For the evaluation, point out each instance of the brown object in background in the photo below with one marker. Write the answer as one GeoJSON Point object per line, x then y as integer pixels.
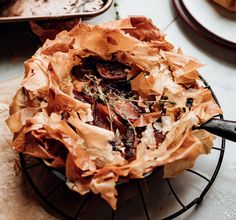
{"type": "Point", "coordinates": [28, 10]}
{"type": "Point", "coordinates": [51, 7]}
{"type": "Point", "coordinates": [49, 29]}
{"type": "Point", "coordinates": [228, 4]}
{"type": "Point", "coordinates": [4, 4]}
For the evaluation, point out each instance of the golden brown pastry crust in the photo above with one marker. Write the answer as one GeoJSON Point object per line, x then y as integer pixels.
{"type": "Point", "coordinates": [54, 125]}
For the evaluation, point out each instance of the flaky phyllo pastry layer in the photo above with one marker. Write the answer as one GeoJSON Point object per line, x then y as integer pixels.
{"type": "Point", "coordinates": [113, 101]}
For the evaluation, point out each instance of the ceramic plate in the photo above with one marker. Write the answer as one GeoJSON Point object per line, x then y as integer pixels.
{"type": "Point", "coordinates": [199, 28]}
{"type": "Point", "coordinates": [214, 18]}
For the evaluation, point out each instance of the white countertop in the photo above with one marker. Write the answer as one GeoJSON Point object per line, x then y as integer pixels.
{"type": "Point", "coordinates": [220, 72]}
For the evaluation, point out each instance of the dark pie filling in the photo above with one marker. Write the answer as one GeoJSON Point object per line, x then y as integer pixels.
{"type": "Point", "coordinates": [114, 104]}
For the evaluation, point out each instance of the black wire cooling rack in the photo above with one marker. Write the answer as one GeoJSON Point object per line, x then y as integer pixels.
{"type": "Point", "coordinates": [133, 197]}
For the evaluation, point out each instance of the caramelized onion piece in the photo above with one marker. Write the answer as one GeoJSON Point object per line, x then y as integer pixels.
{"type": "Point", "coordinates": [159, 137]}
{"type": "Point", "coordinates": [112, 70]}
{"type": "Point", "coordinates": [127, 109]}
{"type": "Point", "coordinates": [101, 119]}
{"type": "Point", "coordinates": [80, 72]}
{"type": "Point", "coordinates": [130, 144]}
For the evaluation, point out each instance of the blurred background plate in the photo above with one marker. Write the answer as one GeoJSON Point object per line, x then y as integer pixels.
{"type": "Point", "coordinates": [209, 20]}
{"type": "Point", "coordinates": [214, 18]}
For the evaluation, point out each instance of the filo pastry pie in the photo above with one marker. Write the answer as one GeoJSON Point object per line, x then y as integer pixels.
{"type": "Point", "coordinates": [111, 102]}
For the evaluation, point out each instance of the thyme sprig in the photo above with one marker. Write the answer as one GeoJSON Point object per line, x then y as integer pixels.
{"type": "Point", "coordinates": [111, 116]}
{"type": "Point", "coordinates": [116, 5]}
{"type": "Point", "coordinates": [98, 93]}
{"type": "Point", "coordinates": [125, 118]}
{"type": "Point", "coordinates": [103, 96]}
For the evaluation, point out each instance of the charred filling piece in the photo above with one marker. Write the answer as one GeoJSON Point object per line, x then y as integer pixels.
{"type": "Point", "coordinates": [114, 104]}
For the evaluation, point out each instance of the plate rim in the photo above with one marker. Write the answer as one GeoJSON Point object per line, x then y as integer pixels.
{"type": "Point", "coordinates": [183, 13]}
{"type": "Point", "coordinates": [205, 28]}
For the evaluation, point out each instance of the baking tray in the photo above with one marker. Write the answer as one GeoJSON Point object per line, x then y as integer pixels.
{"type": "Point", "coordinates": [28, 10]}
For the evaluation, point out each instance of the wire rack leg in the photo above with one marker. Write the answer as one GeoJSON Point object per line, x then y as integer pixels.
{"type": "Point", "coordinates": [143, 202]}
{"type": "Point", "coordinates": [174, 193]}
{"type": "Point", "coordinates": [86, 199]}
{"type": "Point", "coordinates": [113, 214]}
